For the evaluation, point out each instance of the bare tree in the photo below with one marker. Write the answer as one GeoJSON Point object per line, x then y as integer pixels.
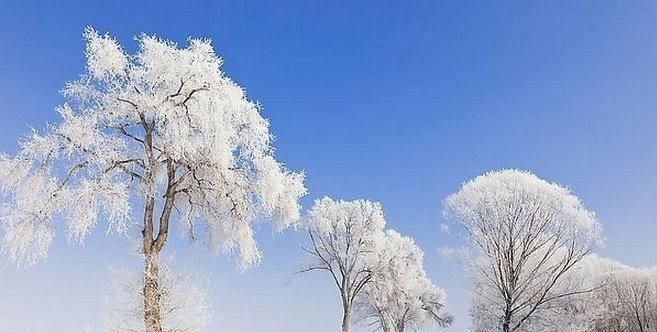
{"type": "Point", "coordinates": [344, 241]}
{"type": "Point", "coordinates": [163, 129]}
{"type": "Point", "coordinates": [524, 235]}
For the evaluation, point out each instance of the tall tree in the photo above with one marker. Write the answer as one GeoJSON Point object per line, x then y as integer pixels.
{"type": "Point", "coordinates": [345, 237]}
{"type": "Point", "coordinates": [163, 129]}
{"type": "Point", "coordinates": [401, 295]}
{"type": "Point", "coordinates": [524, 235]}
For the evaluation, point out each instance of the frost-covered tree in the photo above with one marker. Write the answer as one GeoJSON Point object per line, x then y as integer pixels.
{"type": "Point", "coordinates": [626, 303]}
{"type": "Point", "coordinates": [400, 295]}
{"type": "Point", "coordinates": [345, 237]}
{"type": "Point", "coordinates": [633, 293]}
{"type": "Point", "coordinates": [524, 236]}
{"type": "Point", "coordinates": [163, 132]}
{"type": "Point", "coordinates": [184, 304]}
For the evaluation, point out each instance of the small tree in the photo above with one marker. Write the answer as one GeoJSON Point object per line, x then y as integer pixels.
{"type": "Point", "coordinates": [634, 291]}
{"type": "Point", "coordinates": [524, 235]}
{"type": "Point", "coordinates": [163, 129]}
{"type": "Point", "coordinates": [184, 304]}
{"type": "Point", "coordinates": [400, 294]}
{"type": "Point", "coordinates": [345, 238]}
{"type": "Point", "coordinates": [627, 302]}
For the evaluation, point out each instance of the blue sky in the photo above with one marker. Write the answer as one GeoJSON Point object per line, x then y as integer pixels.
{"type": "Point", "coordinates": [395, 102]}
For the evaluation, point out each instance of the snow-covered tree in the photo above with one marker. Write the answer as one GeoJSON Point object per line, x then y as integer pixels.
{"type": "Point", "coordinates": [627, 302]}
{"type": "Point", "coordinates": [345, 238]}
{"type": "Point", "coordinates": [524, 236]}
{"type": "Point", "coordinates": [162, 131]}
{"type": "Point", "coordinates": [400, 294]}
{"type": "Point", "coordinates": [633, 293]}
{"type": "Point", "coordinates": [184, 304]}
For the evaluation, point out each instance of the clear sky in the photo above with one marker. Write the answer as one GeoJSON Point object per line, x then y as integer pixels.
{"type": "Point", "coordinates": [398, 103]}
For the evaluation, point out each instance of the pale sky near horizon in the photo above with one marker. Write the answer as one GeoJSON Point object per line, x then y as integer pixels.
{"type": "Point", "coordinates": [397, 102]}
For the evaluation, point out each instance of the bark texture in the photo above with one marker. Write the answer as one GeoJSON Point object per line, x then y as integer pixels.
{"type": "Point", "coordinates": [152, 246]}
{"type": "Point", "coordinates": [346, 316]}
{"type": "Point", "coordinates": [152, 316]}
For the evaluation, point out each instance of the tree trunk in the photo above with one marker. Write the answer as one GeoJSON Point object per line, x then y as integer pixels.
{"type": "Point", "coordinates": [506, 325]}
{"type": "Point", "coordinates": [384, 323]}
{"type": "Point", "coordinates": [346, 315]}
{"type": "Point", "coordinates": [152, 317]}
{"type": "Point", "coordinates": [151, 247]}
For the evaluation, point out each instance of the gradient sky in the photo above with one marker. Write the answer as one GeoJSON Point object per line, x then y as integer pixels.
{"type": "Point", "coordinates": [397, 102]}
